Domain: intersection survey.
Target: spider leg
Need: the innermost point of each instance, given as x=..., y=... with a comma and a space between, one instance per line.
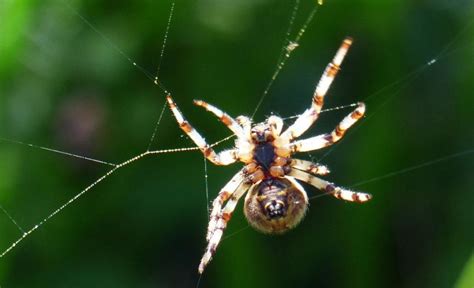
x=330, y=188
x=245, y=122
x=224, y=217
x=323, y=140
x=223, y=196
x=276, y=124
x=309, y=167
x=228, y=121
x=306, y=119
x=223, y=158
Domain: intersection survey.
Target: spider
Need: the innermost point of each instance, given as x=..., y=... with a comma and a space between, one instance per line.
x=275, y=201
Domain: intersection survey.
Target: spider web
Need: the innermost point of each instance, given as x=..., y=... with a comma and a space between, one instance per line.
x=108, y=196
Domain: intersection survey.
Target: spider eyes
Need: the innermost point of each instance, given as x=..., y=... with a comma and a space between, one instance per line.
x=262, y=135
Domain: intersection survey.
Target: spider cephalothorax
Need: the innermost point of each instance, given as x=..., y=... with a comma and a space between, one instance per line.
x=275, y=201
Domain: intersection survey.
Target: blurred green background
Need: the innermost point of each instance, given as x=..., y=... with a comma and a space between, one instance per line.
x=63, y=86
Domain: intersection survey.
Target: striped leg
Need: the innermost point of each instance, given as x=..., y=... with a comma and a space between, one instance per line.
x=330, y=188
x=223, y=196
x=224, y=217
x=228, y=121
x=323, y=140
x=245, y=122
x=276, y=124
x=310, y=115
x=309, y=167
x=223, y=158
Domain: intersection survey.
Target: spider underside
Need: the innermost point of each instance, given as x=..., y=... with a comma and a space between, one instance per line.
x=275, y=201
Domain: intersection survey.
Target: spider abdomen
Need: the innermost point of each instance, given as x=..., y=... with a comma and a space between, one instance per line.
x=275, y=205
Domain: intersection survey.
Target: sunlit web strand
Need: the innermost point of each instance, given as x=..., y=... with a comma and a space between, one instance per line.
x=100, y=179
x=400, y=83
x=405, y=80
x=57, y=151
x=286, y=52
x=155, y=130
x=290, y=24
x=415, y=167
x=69, y=154
x=206, y=186
x=12, y=219
x=405, y=170
x=115, y=47
x=165, y=38
x=156, y=81
x=325, y=110
x=287, y=40
x=446, y=50
x=116, y=166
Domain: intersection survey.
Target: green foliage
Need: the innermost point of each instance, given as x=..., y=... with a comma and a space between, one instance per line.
x=466, y=279
x=63, y=86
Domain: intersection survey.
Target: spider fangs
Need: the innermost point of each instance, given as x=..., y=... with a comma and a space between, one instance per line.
x=275, y=201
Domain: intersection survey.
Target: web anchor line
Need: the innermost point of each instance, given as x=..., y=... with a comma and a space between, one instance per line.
x=57, y=151
x=406, y=170
x=148, y=152
x=156, y=80
x=404, y=81
x=12, y=219
x=287, y=50
x=100, y=179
